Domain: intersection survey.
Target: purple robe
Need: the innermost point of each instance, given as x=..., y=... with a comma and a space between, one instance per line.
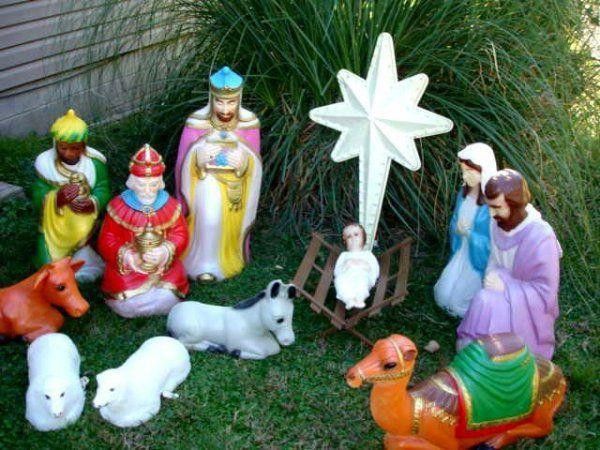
x=528, y=306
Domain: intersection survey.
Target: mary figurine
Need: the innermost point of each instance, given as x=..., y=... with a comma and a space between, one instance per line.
x=469, y=233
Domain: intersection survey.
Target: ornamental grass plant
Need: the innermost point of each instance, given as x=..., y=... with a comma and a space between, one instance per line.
x=517, y=75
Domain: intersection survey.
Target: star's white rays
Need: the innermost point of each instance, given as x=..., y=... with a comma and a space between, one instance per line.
x=379, y=121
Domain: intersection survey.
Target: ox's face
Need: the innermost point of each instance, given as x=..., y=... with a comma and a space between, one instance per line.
x=391, y=359
x=55, y=396
x=278, y=312
x=57, y=283
x=110, y=388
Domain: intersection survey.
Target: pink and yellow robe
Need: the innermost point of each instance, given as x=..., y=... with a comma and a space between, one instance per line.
x=221, y=205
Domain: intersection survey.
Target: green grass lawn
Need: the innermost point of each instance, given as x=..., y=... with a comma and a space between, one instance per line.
x=297, y=399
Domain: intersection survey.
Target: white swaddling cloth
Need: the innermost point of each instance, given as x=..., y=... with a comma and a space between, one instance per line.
x=355, y=273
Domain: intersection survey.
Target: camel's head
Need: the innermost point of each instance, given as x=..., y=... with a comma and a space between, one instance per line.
x=390, y=360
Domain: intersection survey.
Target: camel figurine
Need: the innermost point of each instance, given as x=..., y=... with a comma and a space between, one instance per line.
x=455, y=408
x=28, y=308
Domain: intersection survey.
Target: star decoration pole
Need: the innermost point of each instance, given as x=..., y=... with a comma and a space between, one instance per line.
x=379, y=120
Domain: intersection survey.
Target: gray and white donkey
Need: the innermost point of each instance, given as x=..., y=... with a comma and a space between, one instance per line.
x=246, y=330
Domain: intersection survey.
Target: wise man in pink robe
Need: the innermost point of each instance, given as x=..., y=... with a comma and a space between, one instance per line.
x=218, y=176
x=520, y=288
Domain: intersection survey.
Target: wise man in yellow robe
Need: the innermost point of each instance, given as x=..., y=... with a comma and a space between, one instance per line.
x=218, y=176
x=71, y=190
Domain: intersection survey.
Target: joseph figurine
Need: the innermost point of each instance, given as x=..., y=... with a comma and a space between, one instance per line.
x=520, y=287
x=70, y=192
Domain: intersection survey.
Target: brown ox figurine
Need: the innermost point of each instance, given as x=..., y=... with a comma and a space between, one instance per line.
x=26, y=308
x=431, y=414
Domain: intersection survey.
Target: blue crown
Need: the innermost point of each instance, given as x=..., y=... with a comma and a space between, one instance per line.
x=226, y=80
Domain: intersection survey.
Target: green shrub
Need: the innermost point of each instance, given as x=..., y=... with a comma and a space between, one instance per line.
x=517, y=75
x=506, y=72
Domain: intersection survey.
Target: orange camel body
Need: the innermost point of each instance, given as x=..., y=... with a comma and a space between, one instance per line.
x=426, y=417
x=26, y=308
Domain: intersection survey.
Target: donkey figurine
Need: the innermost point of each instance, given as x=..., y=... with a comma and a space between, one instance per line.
x=26, y=308
x=245, y=330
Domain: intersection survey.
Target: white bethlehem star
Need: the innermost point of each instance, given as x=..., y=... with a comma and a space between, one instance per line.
x=379, y=120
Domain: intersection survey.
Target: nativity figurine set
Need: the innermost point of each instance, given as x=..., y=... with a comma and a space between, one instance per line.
x=502, y=277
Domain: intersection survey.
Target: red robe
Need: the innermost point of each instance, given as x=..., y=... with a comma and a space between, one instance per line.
x=121, y=224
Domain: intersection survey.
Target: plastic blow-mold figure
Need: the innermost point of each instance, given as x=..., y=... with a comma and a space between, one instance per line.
x=520, y=288
x=218, y=176
x=141, y=240
x=252, y=329
x=469, y=233
x=130, y=395
x=55, y=396
x=28, y=308
x=494, y=393
x=356, y=270
x=71, y=190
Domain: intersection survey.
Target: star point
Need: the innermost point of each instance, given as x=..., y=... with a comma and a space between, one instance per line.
x=379, y=121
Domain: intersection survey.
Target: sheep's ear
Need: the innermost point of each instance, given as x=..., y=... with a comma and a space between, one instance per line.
x=275, y=289
x=292, y=291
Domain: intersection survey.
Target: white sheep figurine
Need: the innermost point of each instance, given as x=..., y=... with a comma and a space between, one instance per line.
x=245, y=330
x=56, y=395
x=130, y=394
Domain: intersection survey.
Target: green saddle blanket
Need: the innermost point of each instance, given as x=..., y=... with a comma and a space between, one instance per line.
x=494, y=391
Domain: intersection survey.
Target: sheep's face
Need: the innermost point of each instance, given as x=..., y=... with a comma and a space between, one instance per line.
x=110, y=388
x=54, y=396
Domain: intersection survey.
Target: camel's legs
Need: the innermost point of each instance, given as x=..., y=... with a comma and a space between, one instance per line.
x=393, y=442
x=522, y=431
x=541, y=425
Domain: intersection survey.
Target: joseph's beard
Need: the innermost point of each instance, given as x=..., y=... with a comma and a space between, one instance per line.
x=512, y=221
x=500, y=221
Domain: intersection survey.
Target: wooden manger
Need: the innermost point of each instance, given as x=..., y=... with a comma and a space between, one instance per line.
x=389, y=290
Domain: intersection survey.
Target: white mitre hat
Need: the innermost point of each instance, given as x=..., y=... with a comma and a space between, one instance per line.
x=482, y=155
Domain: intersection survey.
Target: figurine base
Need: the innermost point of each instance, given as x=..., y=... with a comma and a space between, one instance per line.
x=155, y=302
x=206, y=278
x=93, y=268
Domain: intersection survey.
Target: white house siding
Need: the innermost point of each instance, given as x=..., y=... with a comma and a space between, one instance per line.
x=97, y=56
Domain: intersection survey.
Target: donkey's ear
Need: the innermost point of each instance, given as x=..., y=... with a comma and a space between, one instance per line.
x=292, y=292
x=274, y=292
x=40, y=278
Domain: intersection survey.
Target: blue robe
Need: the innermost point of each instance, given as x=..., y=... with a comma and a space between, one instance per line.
x=479, y=238
x=462, y=277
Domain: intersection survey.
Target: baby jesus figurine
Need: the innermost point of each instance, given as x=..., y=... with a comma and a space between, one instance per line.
x=356, y=270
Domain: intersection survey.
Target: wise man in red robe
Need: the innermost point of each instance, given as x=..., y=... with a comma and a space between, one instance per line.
x=142, y=238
